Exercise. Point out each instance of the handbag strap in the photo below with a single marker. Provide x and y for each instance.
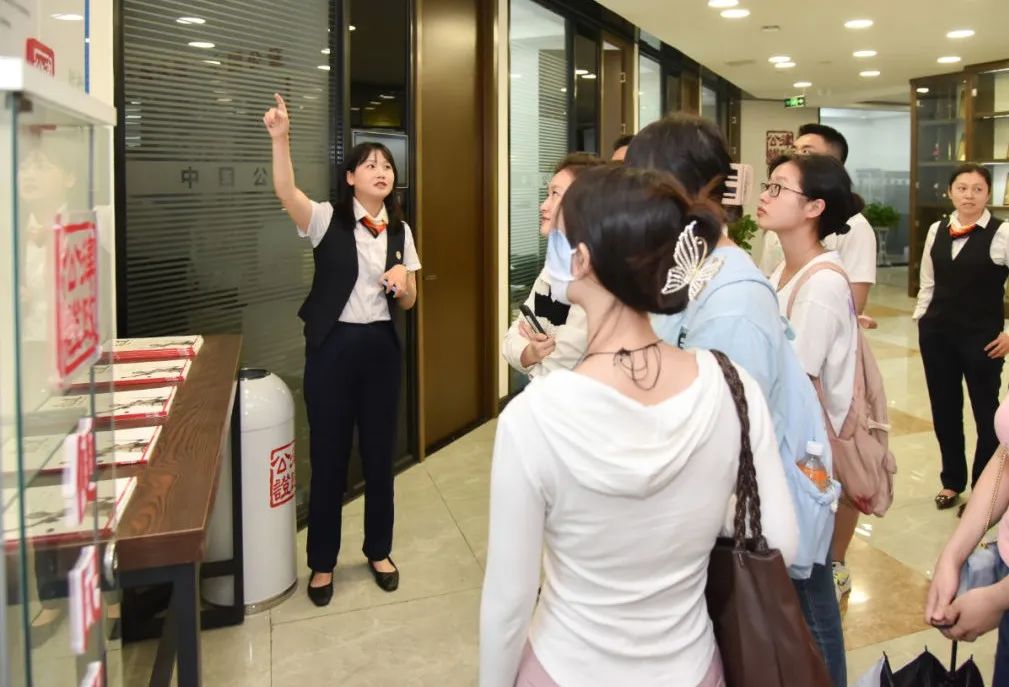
(747, 494)
(994, 494)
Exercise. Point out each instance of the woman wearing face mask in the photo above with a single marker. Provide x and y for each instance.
(618, 475)
(737, 313)
(960, 324)
(365, 264)
(562, 345)
(808, 198)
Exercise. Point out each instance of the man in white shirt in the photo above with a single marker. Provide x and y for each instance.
(857, 248)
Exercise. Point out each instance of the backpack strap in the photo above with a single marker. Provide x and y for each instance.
(833, 267)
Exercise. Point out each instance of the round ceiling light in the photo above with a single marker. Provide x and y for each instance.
(865, 53)
(858, 24)
(870, 73)
(738, 13)
(960, 33)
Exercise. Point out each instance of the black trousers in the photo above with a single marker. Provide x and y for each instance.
(351, 380)
(950, 357)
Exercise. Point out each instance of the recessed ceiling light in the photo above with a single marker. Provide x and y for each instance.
(802, 84)
(865, 53)
(949, 59)
(858, 24)
(738, 13)
(580, 72)
(922, 90)
(353, 28)
(191, 20)
(374, 102)
(369, 109)
(324, 67)
(206, 45)
(722, 3)
(383, 96)
(325, 51)
(960, 33)
(67, 16)
(779, 58)
(784, 65)
(588, 76)
(869, 73)
(355, 109)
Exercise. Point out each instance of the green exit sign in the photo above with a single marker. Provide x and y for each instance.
(796, 101)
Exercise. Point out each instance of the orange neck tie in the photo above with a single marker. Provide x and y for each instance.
(961, 232)
(372, 225)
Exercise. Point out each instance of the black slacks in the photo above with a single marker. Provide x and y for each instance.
(951, 356)
(351, 380)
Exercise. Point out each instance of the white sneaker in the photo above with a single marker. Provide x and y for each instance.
(842, 579)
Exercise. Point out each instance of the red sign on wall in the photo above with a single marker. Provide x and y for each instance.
(281, 475)
(85, 598)
(40, 55)
(76, 298)
(79, 489)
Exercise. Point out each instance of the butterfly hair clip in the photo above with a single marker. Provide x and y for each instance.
(690, 267)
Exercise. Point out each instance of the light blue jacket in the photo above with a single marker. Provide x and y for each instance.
(737, 313)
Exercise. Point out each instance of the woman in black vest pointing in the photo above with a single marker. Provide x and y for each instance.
(365, 261)
(960, 324)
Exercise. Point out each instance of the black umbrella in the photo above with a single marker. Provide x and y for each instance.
(927, 671)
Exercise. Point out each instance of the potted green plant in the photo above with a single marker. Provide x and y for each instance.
(881, 215)
(742, 230)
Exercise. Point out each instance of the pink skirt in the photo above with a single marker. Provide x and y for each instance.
(532, 673)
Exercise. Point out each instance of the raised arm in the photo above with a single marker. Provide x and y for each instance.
(295, 202)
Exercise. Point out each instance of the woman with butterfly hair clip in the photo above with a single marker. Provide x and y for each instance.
(618, 475)
(733, 309)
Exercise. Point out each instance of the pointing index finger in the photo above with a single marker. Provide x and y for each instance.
(281, 105)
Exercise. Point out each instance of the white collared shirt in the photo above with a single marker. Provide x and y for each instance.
(999, 253)
(367, 302)
(857, 250)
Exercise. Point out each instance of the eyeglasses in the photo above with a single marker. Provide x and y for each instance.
(774, 189)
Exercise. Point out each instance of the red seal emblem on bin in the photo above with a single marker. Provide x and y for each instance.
(281, 475)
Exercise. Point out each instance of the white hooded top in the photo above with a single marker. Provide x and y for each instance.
(623, 503)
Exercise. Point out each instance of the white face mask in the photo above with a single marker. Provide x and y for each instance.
(559, 254)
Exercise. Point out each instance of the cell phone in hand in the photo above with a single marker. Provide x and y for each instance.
(532, 320)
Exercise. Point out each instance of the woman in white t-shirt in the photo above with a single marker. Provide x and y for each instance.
(617, 476)
(807, 199)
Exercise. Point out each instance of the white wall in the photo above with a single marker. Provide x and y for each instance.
(876, 140)
(759, 117)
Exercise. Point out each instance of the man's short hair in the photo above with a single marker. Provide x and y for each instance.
(832, 136)
(624, 140)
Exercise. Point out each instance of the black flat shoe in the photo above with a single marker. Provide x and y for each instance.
(944, 501)
(387, 582)
(320, 596)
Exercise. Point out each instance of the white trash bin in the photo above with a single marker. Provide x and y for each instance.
(268, 499)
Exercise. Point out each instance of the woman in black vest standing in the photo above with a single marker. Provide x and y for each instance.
(365, 262)
(960, 324)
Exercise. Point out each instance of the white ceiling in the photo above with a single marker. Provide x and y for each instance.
(909, 36)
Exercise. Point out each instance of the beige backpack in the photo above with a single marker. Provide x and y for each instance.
(863, 463)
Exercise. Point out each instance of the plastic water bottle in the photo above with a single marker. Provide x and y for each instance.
(812, 466)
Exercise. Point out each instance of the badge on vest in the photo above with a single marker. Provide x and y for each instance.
(399, 256)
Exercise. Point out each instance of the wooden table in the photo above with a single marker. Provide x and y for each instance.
(161, 536)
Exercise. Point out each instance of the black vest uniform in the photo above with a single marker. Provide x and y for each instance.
(352, 379)
(336, 273)
(964, 316)
(969, 290)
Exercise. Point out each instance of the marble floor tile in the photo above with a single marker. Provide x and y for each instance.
(903, 650)
(426, 642)
(887, 599)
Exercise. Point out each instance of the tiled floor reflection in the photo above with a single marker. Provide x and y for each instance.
(426, 633)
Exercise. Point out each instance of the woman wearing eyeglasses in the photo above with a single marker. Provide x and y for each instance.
(807, 199)
(960, 324)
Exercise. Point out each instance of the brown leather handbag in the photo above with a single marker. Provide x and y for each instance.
(759, 624)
